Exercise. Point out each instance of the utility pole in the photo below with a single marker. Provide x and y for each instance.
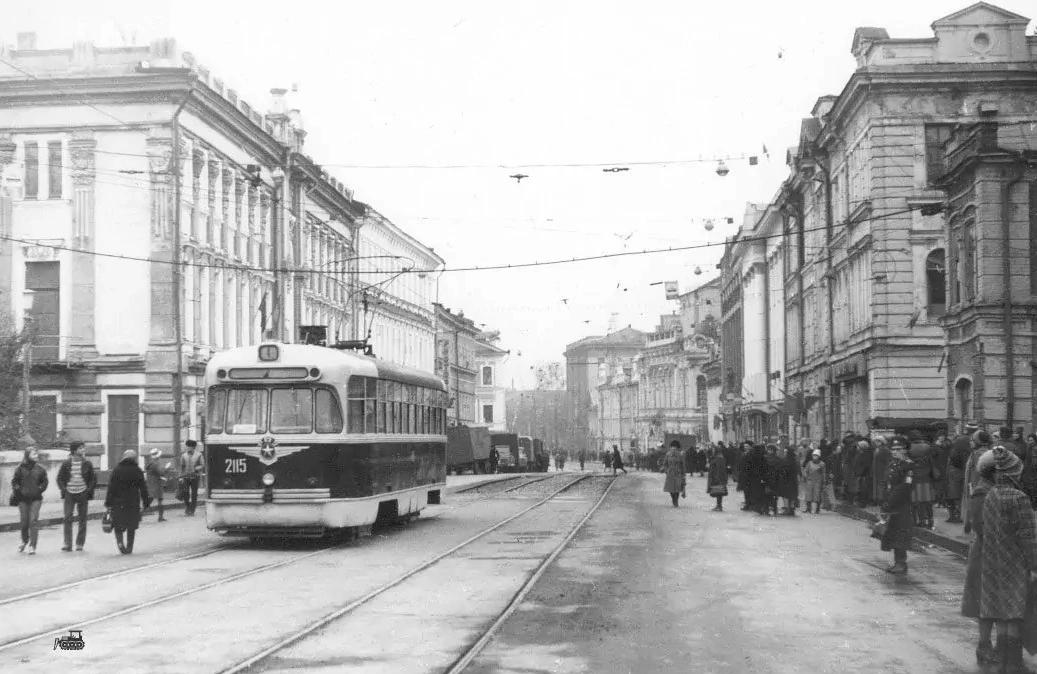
(457, 378)
(178, 329)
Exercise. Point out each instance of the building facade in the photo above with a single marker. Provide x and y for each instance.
(456, 347)
(491, 401)
(159, 218)
(395, 305)
(620, 406)
(989, 288)
(587, 363)
(864, 239)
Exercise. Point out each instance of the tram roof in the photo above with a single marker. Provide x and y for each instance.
(326, 359)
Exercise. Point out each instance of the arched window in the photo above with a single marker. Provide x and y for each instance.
(700, 392)
(936, 282)
(963, 398)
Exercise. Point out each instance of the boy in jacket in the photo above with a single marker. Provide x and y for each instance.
(29, 483)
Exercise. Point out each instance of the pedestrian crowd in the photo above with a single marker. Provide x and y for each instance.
(129, 491)
(986, 481)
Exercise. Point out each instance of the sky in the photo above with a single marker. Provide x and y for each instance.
(482, 87)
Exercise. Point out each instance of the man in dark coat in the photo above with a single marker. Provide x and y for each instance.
(127, 490)
(27, 485)
(773, 477)
(617, 461)
(756, 470)
(879, 469)
(897, 508)
(958, 456)
(849, 456)
(788, 484)
(862, 464)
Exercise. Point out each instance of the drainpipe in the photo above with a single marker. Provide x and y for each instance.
(178, 330)
(1019, 167)
(829, 225)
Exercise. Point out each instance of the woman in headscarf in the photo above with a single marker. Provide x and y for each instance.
(28, 484)
(675, 470)
(814, 481)
(970, 596)
(1009, 557)
(127, 490)
(716, 482)
(897, 508)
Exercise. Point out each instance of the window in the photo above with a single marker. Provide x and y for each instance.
(487, 414)
(328, 412)
(968, 273)
(936, 135)
(963, 398)
(487, 375)
(44, 280)
(32, 170)
(217, 410)
(291, 410)
(246, 411)
(936, 282)
(54, 170)
(700, 392)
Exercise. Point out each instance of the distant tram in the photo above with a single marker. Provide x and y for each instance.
(303, 440)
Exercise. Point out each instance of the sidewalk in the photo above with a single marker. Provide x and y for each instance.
(951, 537)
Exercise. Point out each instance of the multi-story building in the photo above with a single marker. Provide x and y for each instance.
(587, 363)
(394, 292)
(491, 401)
(672, 388)
(986, 281)
(619, 406)
(455, 362)
(864, 343)
(754, 327)
(155, 217)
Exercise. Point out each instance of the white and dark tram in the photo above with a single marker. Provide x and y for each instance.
(303, 441)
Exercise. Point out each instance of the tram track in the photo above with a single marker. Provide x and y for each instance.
(329, 618)
(111, 574)
(64, 628)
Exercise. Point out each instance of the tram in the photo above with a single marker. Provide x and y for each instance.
(305, 440)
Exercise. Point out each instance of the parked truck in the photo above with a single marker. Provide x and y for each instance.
(467, 449)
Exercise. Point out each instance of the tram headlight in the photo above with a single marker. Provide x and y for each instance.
(268, 479)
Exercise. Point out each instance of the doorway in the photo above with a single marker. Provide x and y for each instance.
(123, 426)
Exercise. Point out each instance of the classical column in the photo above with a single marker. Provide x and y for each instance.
(82, 148)
(160, 155)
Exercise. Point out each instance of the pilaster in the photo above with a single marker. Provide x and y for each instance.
(82, 149)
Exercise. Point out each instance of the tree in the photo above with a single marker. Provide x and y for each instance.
(12, 343)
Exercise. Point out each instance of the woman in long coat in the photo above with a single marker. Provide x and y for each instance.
(814, 481)
(675, 469)
(716, 482)
(897, 509)
(957, 457)
(1009, 556)
(970, 596)
(921, 454)
(127, 491)
(862, 471)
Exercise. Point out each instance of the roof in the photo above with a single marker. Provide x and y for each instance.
(988, 14)
(628, 336)
(867, 34)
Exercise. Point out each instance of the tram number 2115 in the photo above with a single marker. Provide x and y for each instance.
(234, 465)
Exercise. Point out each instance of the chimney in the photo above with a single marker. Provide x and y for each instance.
(26, 41)
(278, 103)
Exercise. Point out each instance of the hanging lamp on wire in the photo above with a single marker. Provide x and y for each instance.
(709, 225)
(722, 169)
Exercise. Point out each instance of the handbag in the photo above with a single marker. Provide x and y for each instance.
(878, 529)
(14, 500)
(106, 521)
(182, 489)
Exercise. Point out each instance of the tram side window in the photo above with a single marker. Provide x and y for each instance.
(328, 413)
(291, 410)
(382, 395)
(356, 389)
(217, 410)
(246, 411)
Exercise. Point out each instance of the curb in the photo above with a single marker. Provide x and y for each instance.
(949, 544)
(94, 514)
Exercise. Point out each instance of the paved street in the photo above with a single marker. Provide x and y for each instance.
(643, 587)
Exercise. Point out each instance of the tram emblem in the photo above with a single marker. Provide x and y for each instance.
(267, 451)
(73, 641)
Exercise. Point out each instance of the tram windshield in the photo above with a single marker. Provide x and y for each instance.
(274, 409)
